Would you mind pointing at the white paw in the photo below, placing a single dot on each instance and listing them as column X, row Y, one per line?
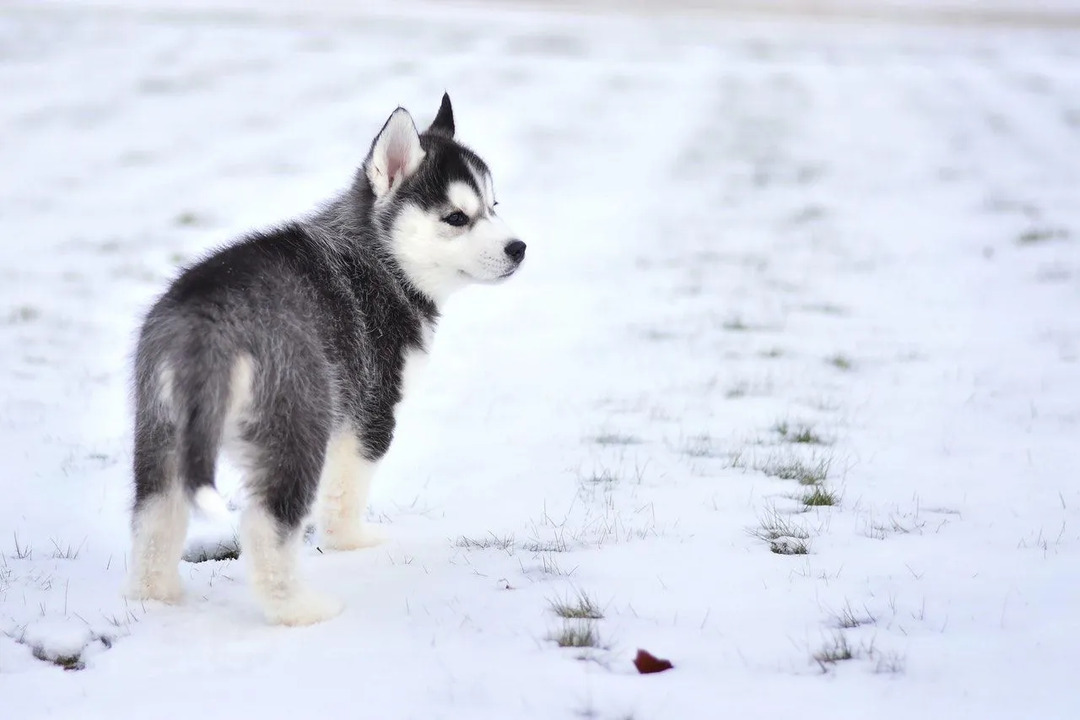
column 354, row 538
column 165, row 587
column 303, row 608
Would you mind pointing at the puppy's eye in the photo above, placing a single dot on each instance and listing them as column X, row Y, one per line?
column 457, row 219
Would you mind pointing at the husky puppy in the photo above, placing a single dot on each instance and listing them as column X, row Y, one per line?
column 289, row 349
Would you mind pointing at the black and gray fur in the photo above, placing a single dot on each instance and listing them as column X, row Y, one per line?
column 326, row 316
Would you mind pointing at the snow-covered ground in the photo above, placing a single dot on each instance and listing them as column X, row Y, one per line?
column 743, row 233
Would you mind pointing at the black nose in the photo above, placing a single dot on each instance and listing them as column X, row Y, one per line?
column 516, row 250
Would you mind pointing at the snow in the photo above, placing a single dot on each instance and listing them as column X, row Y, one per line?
column 734, row 221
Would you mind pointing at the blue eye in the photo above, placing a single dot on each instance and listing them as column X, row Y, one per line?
column 457, row 219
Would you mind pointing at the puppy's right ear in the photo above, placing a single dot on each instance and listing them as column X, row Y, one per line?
column 444, row 120
column 395, row 154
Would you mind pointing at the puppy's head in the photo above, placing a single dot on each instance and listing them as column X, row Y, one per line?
column 438, row 202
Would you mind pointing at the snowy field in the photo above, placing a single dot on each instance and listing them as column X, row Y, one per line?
column 789, row 387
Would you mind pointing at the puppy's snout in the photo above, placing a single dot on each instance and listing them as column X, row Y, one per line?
column 515, row 249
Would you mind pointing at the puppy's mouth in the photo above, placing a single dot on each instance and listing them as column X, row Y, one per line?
column 490, row 281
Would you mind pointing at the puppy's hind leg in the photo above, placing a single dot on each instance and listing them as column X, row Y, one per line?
column 343, row 494
column 160, row 518
column 272, row 550
column 286, row 454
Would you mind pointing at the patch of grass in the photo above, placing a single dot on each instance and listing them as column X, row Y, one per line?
column 784, row 536
column 789, row 546
column 614, row 438
column 225, row 550
column 735, row 324
column 658, row 335
column 735, row 460
column 777, row 525
column 605, row 477
column 806, row 473
column 820, row 497
column 66, row 552
column 822, row 403
column 549, row 565
column 798, row 433
column 576, row 635
column 699, row 446
column 492, row 541
column 68, row 662
column 601, row 477
column 1038, row 235
column 582, row 607
column 895, row 525
column 122, row 622
column 743, row 389
column 22, row 552
column 848, row 619
column 836, row 651
column 187, row 218
column 825, row 309
column 737, row 391
column 555, row 543
column 42, row 653
column 890, row 664
column 1054, row 274
column 840, row 362
column 806, row 436
column 23, row 314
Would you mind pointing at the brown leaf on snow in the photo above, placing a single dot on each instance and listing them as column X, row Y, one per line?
column 647, row 663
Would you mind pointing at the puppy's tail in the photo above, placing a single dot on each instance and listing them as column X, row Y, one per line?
column 210, row 503
column 202, row 387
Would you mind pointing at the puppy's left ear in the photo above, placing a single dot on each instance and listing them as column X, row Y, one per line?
column 395, row 153
column 443, row 124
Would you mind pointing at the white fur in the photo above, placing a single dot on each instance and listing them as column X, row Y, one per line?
column 211, row 504
column 487, row 188
column 165, row 389
column 240, row 387
column 159, row 528
column 395, row 155
column 343, row 494
column 464, row 198
column 440, row 258
column 274, row 578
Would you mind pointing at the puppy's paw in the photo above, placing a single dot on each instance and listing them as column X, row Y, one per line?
column 353, row 538
column 305, row 607
column 159, row 587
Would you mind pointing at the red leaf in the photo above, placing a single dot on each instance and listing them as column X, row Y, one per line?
column 647, row 663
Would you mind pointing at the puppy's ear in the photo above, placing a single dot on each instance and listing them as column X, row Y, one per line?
column 395, row 153
column 443, row 124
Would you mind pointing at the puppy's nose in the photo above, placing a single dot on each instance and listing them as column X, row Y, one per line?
column 516, row 250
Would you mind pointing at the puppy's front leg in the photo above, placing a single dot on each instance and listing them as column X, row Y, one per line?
column 343, row 495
